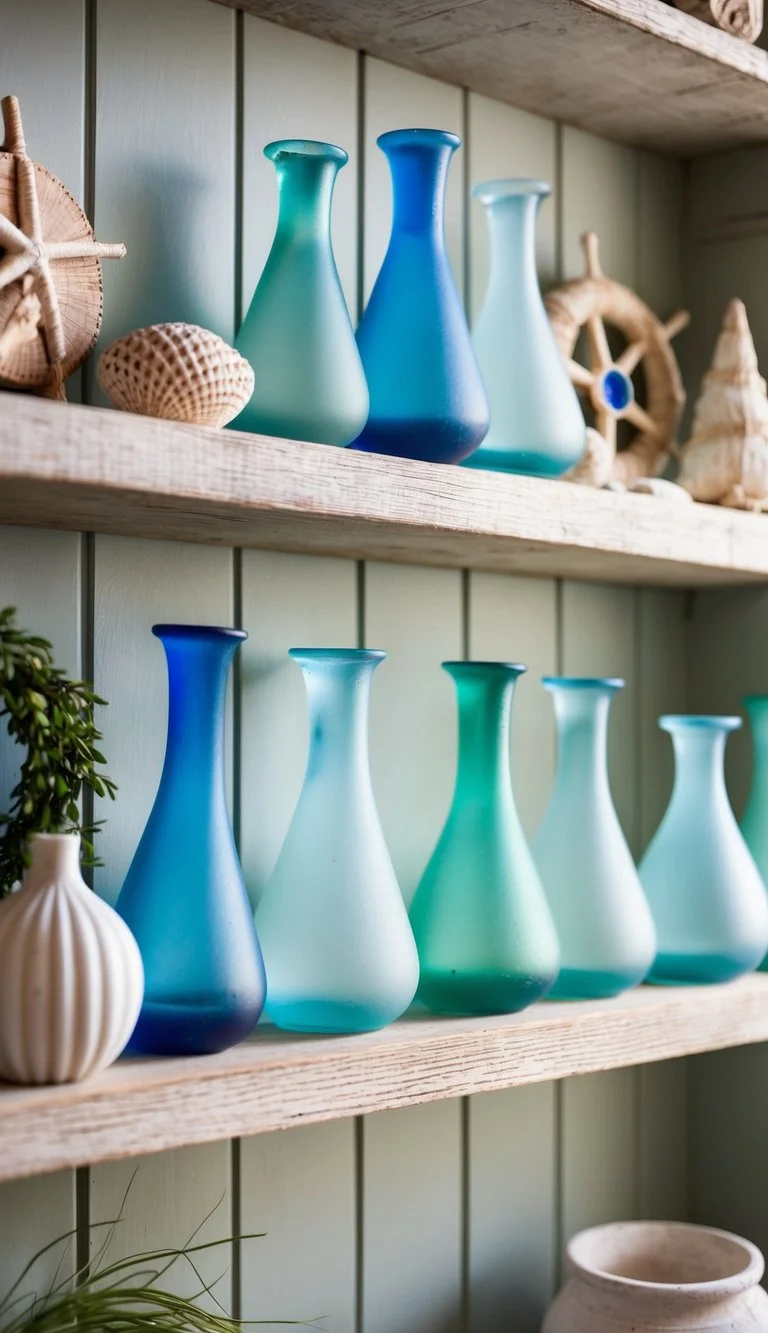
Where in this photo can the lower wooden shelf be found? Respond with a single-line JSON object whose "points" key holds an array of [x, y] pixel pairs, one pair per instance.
{"points": [[276, 1081]]}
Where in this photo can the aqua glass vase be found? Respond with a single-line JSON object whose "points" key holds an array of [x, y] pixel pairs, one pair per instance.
{"points": [[754, 822], [338, 946], [705, 891], [607, 940], [184, 896], [427, 395], [537, 425], [297, 335], [484, 932]]}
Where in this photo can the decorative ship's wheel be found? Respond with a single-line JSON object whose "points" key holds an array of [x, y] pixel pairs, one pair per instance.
{"points": [[589, 304]]}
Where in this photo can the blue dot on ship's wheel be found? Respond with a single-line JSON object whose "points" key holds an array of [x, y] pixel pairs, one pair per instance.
{"points": [[616, 391]]}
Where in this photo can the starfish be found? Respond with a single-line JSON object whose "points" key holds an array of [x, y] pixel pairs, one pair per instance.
{"points": [[26, 255]]}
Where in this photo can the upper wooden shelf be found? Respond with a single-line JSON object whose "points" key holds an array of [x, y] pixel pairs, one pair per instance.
{"points": [[276, 1081], [638, 71], [98, 470]]}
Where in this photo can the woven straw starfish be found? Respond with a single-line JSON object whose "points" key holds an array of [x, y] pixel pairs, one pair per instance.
{"points": [[27, 255]]}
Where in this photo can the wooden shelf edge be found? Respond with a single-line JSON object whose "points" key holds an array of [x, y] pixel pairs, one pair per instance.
{"points": [[277, 1081], [98, 470]]}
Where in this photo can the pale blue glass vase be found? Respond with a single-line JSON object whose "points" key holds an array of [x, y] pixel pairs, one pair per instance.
{"points": [[706, 893], [427, 396], [537, 425], [297, 335], [338, 946], [184, 897], [607, 939], [485, 935]]}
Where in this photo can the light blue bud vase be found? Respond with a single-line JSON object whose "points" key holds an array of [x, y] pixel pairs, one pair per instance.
{"points": [[607, 940], [338, 947], [297, 335], [754, 823], [706, 893], [537, 425]]}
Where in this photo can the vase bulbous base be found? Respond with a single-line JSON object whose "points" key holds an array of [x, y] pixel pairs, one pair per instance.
{"points": [[679, 969], [189, 1028], [328, 1016], [495, 458], [466, 993], [578, 984], [431, 441]]}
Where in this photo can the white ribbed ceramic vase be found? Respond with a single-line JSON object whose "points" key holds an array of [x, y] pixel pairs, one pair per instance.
{"points": [[71, 978], [653, 1276]]}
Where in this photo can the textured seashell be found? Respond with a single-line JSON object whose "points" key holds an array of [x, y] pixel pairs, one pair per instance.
{"points": [[595, 467], [726, 459], [177, 371], [71, 977]]}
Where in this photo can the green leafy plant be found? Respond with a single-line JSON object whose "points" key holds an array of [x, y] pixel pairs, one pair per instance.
{"points": [[51, 717]]}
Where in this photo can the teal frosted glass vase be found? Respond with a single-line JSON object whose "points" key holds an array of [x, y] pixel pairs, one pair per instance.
{"points": [[705, 891], [184, 896], [484, 932], [537, 425], [754, 823], [427, 395], [607, 939], [297, 335], [338, 947]]}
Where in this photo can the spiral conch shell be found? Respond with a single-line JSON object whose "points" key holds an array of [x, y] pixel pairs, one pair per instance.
{"points": [[726, 459], [177, 371]]}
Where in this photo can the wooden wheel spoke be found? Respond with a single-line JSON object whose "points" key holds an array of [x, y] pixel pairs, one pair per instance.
{"points": [[631, 356], [606, 424], [29, 207], [598, 341], [580, 376], [640, 418]]}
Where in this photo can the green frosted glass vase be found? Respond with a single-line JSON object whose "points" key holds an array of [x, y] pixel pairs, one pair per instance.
{"points": [[754, 822], [484, 932], [297, 335]]}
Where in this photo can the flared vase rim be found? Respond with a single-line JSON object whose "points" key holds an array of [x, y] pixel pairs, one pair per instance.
{"points": [[317, 148], [212, 633], [608, 684], [712, 722], [342, 656], [512, 187], [749, 700], [510, 669], [718, 1288], [418, 137]]}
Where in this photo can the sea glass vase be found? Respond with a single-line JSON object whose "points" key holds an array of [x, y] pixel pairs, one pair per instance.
{"points": [[338, 946], [484, 932], [754, 823], [537, 425], [297, 335], [705, 891], [607, 940], [427, 395], [184, 897]]}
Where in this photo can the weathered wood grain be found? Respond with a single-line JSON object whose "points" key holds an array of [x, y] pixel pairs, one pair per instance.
{"points": [[274, 1082], [112, 472], [634, 70]]}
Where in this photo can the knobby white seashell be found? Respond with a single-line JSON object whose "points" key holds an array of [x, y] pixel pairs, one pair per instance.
{"points": [[177, 371], [661, 489], [726, 458], [71, 976]]}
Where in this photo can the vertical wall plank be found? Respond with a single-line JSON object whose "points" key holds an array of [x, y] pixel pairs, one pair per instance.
{"points": [[40, 576], [299, 1187], [165, 162], [297, 87], [599, 193], [396, 99]]}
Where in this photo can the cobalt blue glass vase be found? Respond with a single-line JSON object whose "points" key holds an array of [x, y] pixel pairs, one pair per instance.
{"points": [[338, 945], [705, 891], [427, 395], [184, 896]]}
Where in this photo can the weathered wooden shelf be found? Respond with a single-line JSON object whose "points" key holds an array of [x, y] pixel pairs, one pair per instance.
{"points": [[97, 470], [276, 1081], [638, 71]]}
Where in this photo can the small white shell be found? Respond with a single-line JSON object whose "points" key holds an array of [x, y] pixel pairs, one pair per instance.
{"points": [[177, 371], [71, 977]]}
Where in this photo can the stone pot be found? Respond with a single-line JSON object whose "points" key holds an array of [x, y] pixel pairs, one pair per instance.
{"points": [[653, 1276]]}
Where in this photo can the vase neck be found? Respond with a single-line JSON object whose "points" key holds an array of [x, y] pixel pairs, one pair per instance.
{"points": [[484, 694], [582, 723], [757, 712], [198, 665], [418, 162], [306, 176], [338, 698], [512, 231], [55, 857], [699, 766]]}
